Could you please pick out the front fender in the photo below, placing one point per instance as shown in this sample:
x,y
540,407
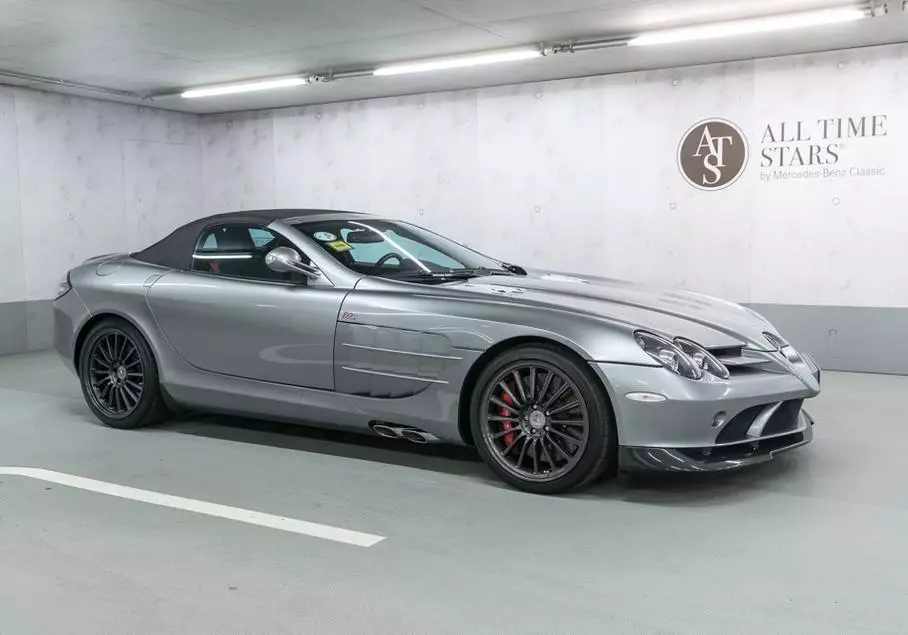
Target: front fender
x,y
477,323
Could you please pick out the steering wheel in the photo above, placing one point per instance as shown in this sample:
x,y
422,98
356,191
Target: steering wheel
x,y
388,256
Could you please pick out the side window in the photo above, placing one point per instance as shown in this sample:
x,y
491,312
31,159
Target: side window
x,y
238,251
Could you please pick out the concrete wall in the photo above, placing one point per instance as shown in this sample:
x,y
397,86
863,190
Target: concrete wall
x,y
78,178
576,175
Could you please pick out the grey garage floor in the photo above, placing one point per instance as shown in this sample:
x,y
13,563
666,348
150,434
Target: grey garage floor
x,y
816,542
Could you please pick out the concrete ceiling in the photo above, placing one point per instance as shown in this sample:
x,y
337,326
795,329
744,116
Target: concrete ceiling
x,y
147,46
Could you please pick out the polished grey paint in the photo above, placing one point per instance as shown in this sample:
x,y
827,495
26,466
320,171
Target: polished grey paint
x,y
282,333
858,339
359,349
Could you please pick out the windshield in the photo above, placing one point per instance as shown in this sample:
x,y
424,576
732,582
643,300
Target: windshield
x,y
395,249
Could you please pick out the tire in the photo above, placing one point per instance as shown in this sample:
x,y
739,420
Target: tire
x,y
517,432
119,376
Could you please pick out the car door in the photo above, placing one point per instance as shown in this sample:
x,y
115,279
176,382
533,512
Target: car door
x,y
232,315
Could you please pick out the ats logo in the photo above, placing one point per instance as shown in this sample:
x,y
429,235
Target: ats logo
x,y
713,154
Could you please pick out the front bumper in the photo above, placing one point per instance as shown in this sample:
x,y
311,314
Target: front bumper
x,y
70,313
709,425
717,458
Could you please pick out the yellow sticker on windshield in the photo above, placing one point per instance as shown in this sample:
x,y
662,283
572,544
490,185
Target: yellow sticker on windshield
x,y
340,245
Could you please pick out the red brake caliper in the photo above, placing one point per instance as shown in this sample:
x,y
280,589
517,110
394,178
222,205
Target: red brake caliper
x,y
506,425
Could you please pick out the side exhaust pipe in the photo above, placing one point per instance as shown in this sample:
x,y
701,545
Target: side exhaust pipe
x,y
386,431
413,435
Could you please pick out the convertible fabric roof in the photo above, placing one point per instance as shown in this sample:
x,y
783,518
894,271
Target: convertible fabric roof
x,y
175,250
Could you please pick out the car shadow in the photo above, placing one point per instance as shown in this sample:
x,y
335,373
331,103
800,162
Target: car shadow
x,y
649,488
439,457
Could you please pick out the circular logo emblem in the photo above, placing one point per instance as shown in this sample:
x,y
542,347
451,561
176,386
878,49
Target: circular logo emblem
x,y
712,154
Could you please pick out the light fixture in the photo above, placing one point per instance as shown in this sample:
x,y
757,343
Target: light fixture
x,y
461,61
245,87
754,25
766,24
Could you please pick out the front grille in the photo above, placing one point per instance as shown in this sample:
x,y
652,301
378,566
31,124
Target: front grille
x,y
729,351
736,429
784,419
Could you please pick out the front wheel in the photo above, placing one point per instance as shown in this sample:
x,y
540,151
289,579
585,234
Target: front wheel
x,y
119,376
541,421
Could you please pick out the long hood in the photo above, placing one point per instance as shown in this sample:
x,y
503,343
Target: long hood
x,y
709,321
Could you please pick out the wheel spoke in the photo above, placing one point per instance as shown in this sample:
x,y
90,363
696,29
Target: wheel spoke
x,y
560,409
523,452
504,433
513,443
131,396
531,395
507,390
535,456
570,438
555,395
501,418
548,456
501,404
520,390
110,352
101,355
558,447
545,386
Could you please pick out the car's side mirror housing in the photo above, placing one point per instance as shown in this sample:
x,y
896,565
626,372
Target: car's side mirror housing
x,y
286,259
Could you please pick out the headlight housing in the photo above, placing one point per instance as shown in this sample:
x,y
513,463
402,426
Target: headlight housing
x,y
63,288
779,344
668,354
704,360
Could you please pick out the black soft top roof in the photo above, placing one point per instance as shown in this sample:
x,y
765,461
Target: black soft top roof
x,y
175,250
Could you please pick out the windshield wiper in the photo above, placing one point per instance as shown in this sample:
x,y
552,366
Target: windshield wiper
x,y
451,274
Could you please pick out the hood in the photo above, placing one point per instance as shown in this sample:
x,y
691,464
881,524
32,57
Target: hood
x,y
711,322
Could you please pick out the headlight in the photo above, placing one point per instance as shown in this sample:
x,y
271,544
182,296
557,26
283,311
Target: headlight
x,y
704,360
63,288
783,347
668,354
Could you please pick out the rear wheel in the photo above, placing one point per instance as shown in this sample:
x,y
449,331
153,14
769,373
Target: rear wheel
x,y
541,421
119,376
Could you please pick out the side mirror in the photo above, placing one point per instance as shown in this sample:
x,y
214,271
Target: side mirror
x,y
286,259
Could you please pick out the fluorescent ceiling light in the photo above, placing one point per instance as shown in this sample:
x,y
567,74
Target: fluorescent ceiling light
x,y
746,27
244,87
457,62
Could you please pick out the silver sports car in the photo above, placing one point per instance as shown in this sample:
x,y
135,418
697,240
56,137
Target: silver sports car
x,y
347,320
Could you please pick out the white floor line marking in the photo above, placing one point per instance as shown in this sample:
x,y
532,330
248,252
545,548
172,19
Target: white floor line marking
x,y
316,530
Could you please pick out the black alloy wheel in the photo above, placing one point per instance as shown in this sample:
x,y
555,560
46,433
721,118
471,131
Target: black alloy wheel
x,y
541,420
116,374
119,376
